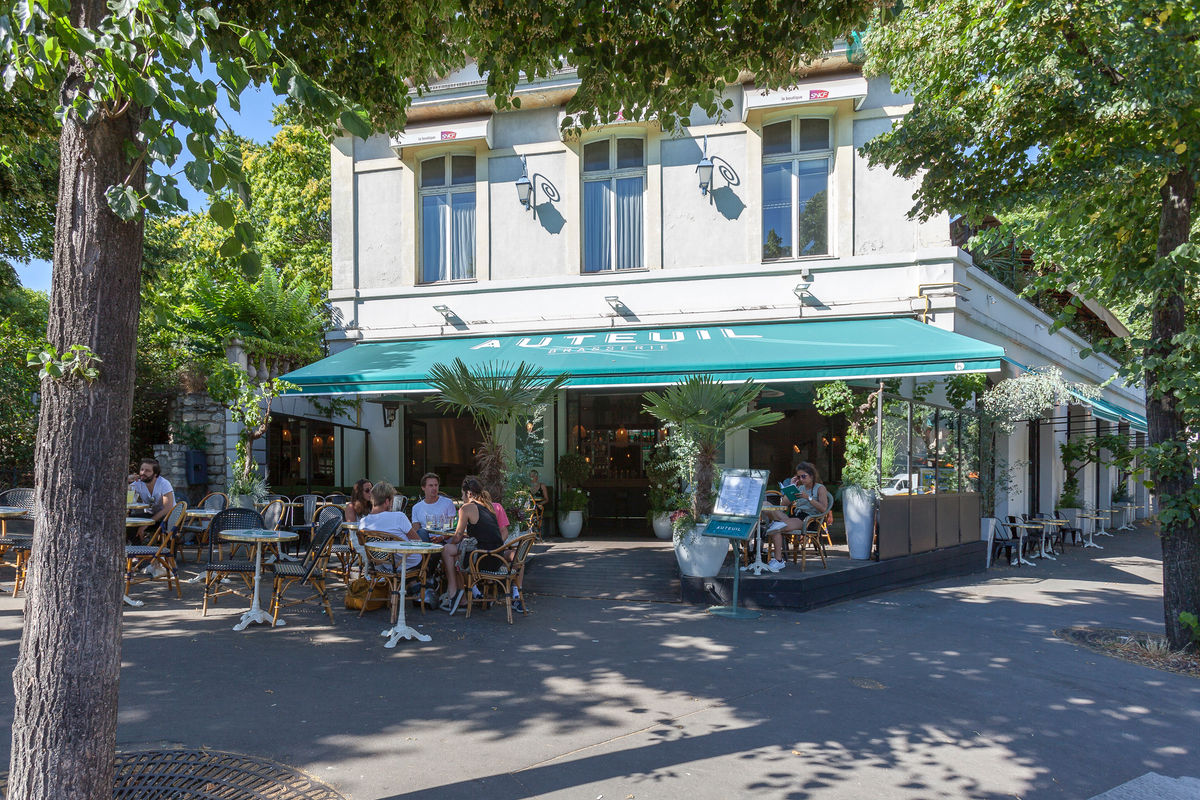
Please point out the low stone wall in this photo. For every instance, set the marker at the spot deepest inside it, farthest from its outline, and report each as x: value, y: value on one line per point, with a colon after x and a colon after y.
x: 199, y: 410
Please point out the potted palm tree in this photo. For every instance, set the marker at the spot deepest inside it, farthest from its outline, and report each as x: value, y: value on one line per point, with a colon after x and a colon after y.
x: 572, y: 470
x: 705, y: 412
x: 495, y: 395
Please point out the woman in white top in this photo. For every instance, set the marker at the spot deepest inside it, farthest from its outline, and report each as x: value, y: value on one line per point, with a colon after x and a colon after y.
x: 383, y: 519
x: 813, y: 501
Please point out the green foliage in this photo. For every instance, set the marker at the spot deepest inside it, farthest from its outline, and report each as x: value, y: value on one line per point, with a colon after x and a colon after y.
x: 572, y: 470
x: 669, y: 471
x: 191, y: 436
x: 335, y: 406
x: 573, y: 499
x: 705, y: 412
x: 78, y: 361
x: 18, y: 412
x: 1031, y: 395
x: 493, y: 395
x: 961, y: 388
x: 1192, y: 623
x: 837, y: 398
x: 271, y: 319
x: 249, y: 406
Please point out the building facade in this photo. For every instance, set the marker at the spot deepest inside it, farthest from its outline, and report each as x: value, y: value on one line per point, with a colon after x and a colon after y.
x: 620, y: 251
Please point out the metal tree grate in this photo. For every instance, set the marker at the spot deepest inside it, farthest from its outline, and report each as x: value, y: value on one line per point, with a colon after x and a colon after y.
x: 210, y: 775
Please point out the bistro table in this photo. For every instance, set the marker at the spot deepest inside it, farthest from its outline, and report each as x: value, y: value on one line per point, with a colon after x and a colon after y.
x: 1104, y: 516
x: 400, y: 629
x: 1089, y: 536
x: 1046, y: 525
x: 257, y: 537
x: 1028, y: 526
x: 758, y: 566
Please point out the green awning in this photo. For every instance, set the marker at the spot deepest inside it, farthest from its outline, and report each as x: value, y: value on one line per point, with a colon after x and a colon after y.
x: 1110, y: 412
x: 646, y: 357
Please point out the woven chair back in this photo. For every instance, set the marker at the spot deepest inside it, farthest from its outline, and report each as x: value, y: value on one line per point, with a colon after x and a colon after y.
x: 272, y: 515
x: 337, y: 499
x: 327, y: 512
x: 215, y: 501
x: 322, y: 543
x: 175, y: 517
x: 19, y: 498
x: 229, y: 520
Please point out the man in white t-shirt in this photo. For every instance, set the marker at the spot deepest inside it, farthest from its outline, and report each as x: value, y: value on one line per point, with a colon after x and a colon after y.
x: 383, y: 519
x: 432, y: 504
x: 149, y: 486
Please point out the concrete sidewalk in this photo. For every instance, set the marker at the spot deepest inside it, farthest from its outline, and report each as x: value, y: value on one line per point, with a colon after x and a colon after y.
x: 957, y: 689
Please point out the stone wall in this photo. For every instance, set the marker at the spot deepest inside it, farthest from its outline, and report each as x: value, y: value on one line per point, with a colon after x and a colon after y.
x: 199, y: 410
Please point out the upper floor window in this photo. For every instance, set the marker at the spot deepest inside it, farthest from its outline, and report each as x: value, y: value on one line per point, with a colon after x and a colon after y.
x: 795, y: 187
x: 447, y: 218
x: 614, y: 183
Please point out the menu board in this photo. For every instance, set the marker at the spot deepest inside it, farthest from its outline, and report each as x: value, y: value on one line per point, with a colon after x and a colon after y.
x: 740, y: 495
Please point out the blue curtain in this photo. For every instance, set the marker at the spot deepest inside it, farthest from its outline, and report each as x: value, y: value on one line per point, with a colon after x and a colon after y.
x: 629, y: 223
x: 596, y: 226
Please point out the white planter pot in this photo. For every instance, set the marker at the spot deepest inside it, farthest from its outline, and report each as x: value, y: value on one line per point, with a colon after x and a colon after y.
x: 985, y: 527
x: 663, y: 528
x: 570, y: 524
x: 700, y: 556
x: 858, y: 508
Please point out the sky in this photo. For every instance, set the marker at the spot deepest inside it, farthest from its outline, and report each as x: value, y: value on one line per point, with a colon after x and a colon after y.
x: 253, y: 122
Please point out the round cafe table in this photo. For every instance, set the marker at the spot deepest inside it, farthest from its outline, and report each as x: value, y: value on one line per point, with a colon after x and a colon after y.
x: 257, y: 537
x: 1089, y: 537
x: 400, y: 628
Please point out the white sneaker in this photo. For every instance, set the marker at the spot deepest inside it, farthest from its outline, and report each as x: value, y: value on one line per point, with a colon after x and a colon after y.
x: 776, y: 526
x: 775, y: 565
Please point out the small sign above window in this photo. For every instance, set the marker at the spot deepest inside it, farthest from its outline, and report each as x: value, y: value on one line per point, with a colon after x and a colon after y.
x: 440, y: 132
x: 812, y: 90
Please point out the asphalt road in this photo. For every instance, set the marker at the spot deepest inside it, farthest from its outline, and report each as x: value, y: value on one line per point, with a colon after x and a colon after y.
x: 953, y: 690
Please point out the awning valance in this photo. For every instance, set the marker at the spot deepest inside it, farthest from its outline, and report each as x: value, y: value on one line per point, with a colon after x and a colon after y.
x: 648, y: 357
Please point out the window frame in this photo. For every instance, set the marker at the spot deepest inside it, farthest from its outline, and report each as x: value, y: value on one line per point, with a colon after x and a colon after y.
x: 612, y: 175
x: 446, y: 189
x: 794, y: 157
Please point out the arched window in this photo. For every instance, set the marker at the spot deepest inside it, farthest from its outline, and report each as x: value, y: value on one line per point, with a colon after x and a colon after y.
x: 614, y: 184
x: 795, y: 188
x: 447, y: 196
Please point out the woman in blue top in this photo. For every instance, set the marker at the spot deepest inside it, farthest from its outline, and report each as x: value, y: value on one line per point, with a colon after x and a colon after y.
x: 813, y: 501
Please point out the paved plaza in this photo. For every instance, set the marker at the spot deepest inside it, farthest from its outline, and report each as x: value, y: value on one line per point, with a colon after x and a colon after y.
x: 952, y: 690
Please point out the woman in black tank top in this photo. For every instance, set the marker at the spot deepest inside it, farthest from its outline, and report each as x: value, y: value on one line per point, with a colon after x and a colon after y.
x: 476, y: 518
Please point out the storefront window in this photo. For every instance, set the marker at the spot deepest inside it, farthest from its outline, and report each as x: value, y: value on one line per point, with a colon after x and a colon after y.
x: 313, y: 455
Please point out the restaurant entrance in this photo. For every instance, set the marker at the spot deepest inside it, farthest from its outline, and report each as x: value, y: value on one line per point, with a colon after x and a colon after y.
x: 617, y: 438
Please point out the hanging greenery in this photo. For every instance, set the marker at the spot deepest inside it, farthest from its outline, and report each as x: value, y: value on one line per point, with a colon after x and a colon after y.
x: 962, y: 388
x: 837, y: 398
x: 1031, y: 395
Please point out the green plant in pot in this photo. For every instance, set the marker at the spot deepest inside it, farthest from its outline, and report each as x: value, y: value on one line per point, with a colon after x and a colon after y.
x: 669, y: 471
x: 249, y: 405
x: 860, y: 474
x: 706, y: 412
x: 572, y: 470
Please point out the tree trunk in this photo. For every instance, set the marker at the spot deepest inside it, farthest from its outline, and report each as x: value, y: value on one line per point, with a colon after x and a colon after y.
x: 66, y: 679
x: 706, y: 460
x: 1180, y: 535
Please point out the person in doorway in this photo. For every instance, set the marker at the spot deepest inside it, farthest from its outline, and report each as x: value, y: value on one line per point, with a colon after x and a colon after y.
x: 149, y: 486
x: 477, y: 519
x: 360, y: 500
x: 812, y: 500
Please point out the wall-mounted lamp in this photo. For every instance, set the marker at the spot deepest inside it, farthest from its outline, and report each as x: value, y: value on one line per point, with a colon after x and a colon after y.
x: 802, y: 288
x: 446, y: 312
x: 705, y: 171
x: 390, y: 407
x: 616, y: 305
x: 525, y: 187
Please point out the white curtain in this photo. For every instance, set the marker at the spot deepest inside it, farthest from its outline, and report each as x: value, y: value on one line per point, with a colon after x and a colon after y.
x: 596, y: 222
x: 629, y: 223
x: 462, y: 257
x: 434, y: 212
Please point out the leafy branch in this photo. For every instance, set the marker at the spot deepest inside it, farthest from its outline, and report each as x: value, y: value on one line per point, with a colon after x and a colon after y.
x: 78, y: 360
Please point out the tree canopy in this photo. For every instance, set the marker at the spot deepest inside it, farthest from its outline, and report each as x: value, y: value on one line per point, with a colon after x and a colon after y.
x: 1077, y: 126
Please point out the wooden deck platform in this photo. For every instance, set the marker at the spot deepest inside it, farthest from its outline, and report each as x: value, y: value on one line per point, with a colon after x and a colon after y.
x: 644, y: 570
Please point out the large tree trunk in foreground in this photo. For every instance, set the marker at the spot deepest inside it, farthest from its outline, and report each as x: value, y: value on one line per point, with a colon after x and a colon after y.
x: 64, y: 729
x: 1180, y: 537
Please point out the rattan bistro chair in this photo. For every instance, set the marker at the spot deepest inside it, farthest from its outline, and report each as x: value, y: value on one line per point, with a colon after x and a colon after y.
x: 142, y: 561
x: 217, y: 570
x: 494, y: 575
x: 310, y: 570
x: 16, y: 546
x: 308, y: 517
